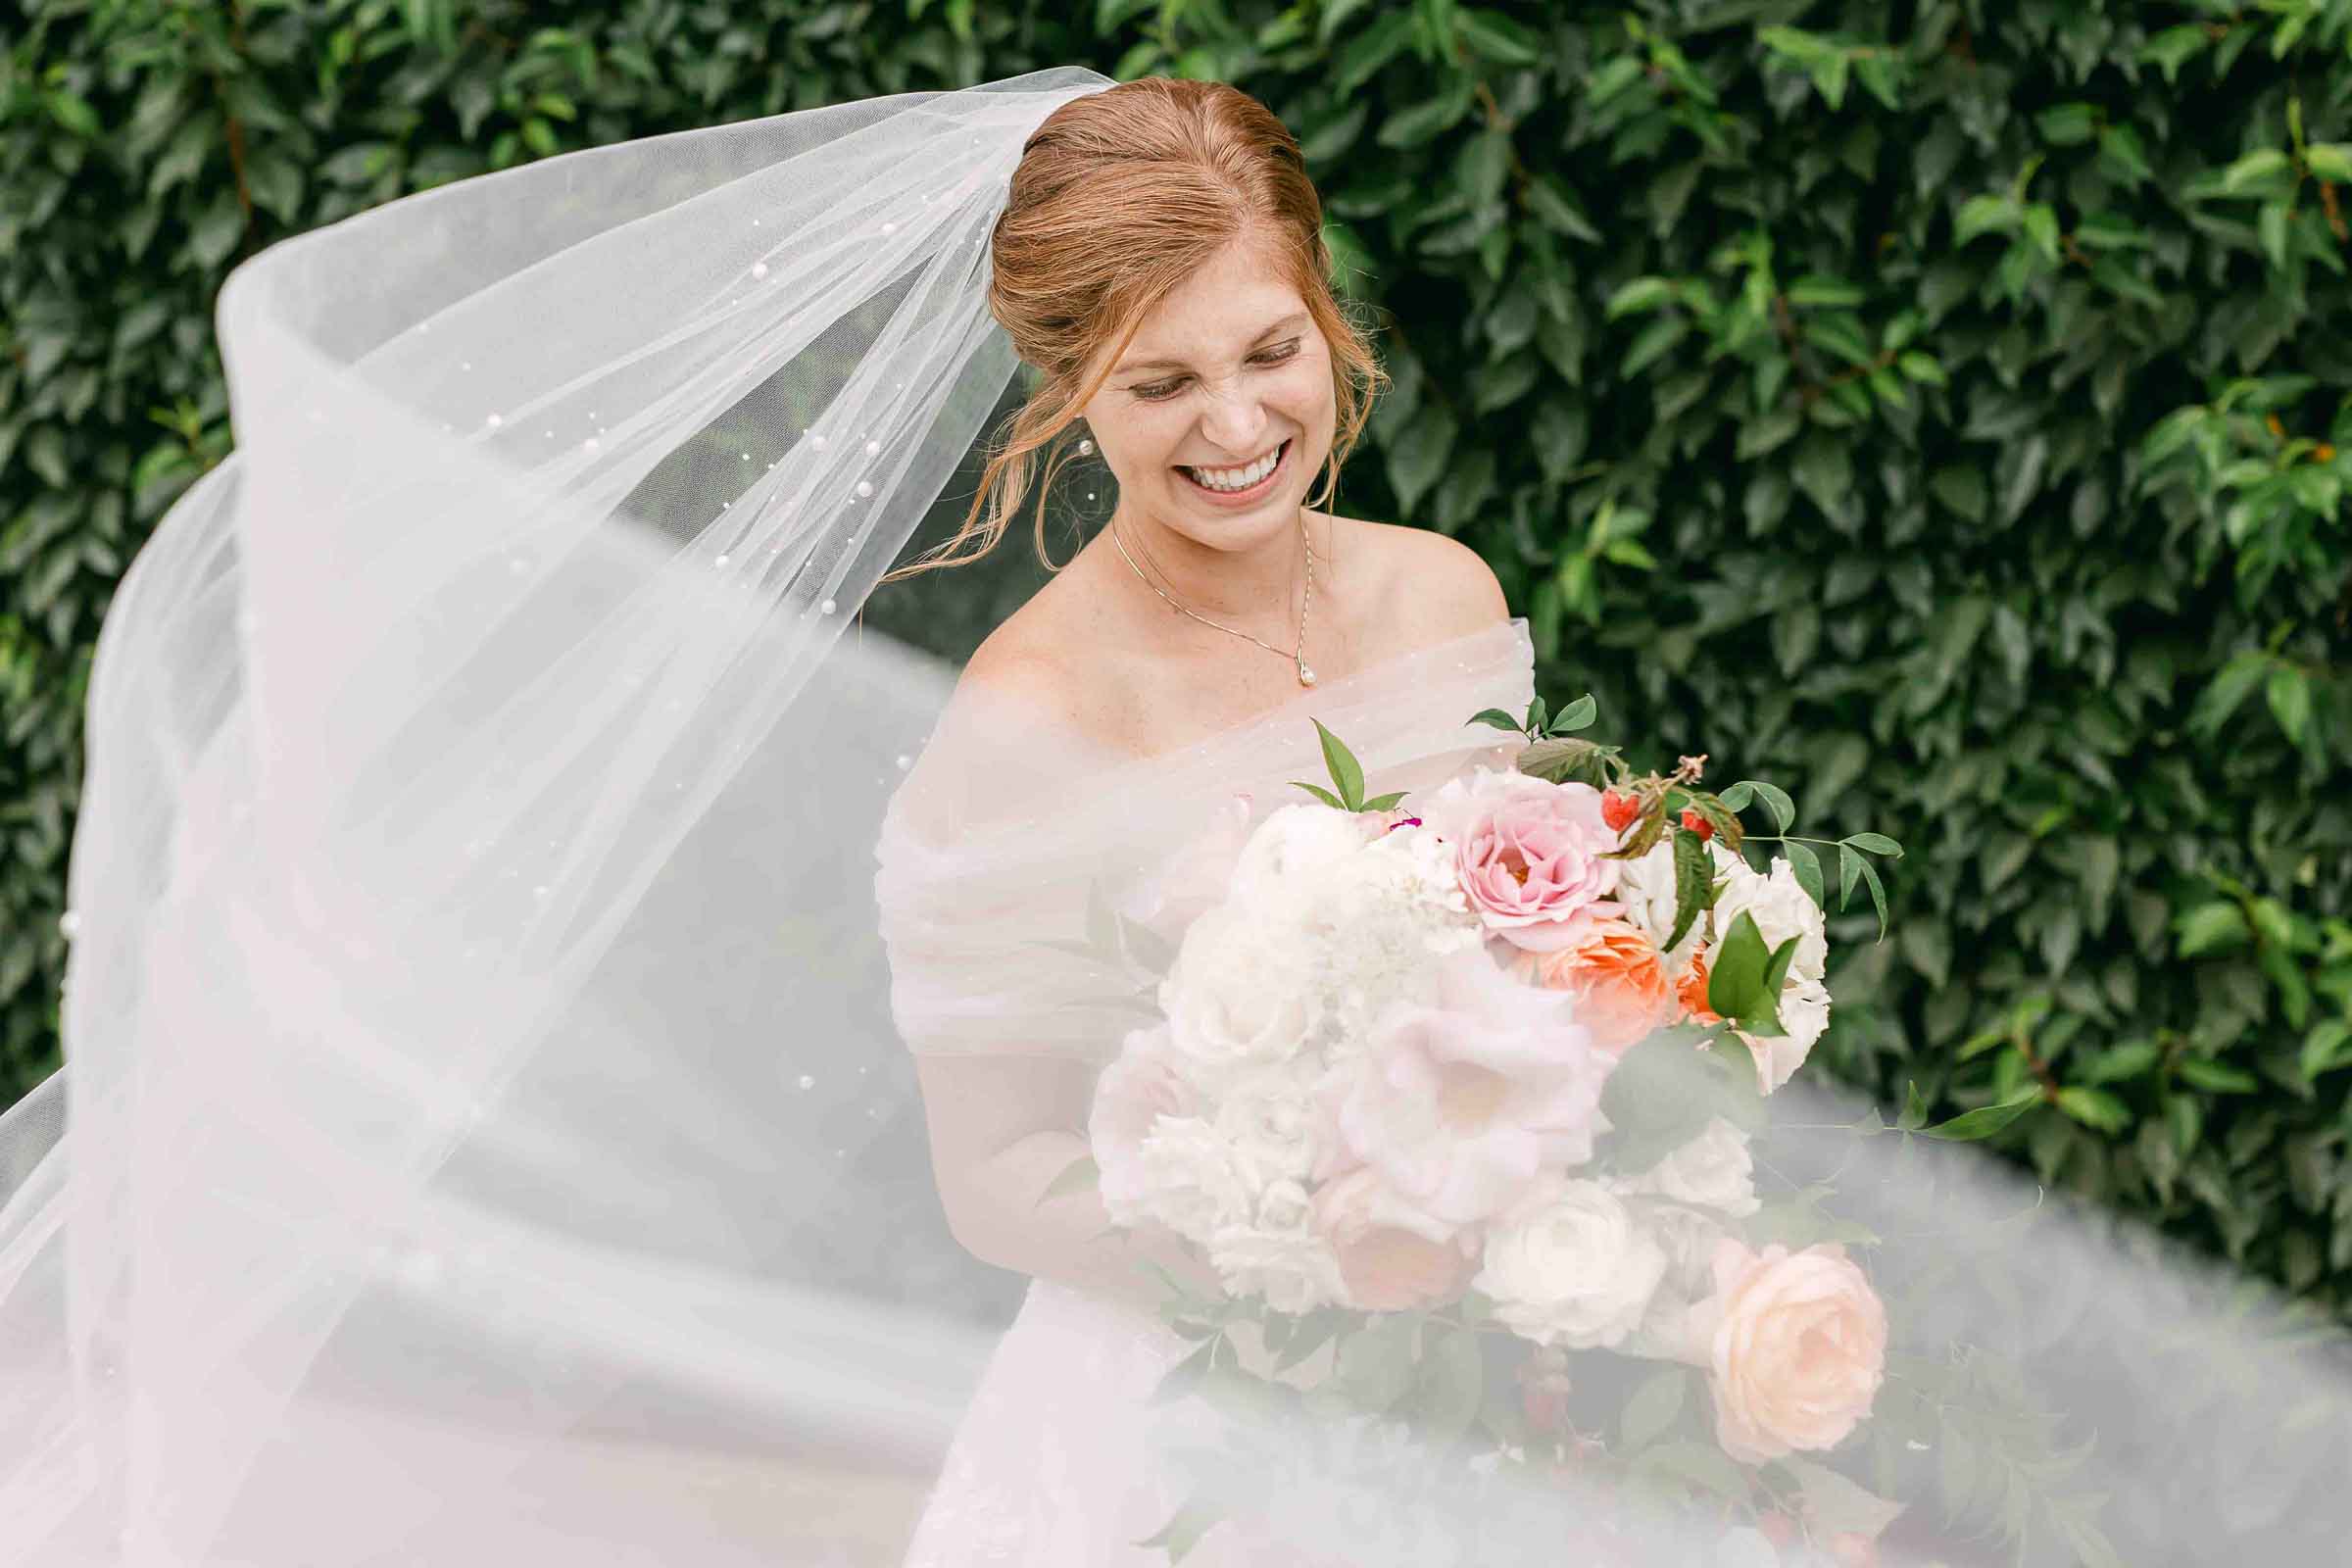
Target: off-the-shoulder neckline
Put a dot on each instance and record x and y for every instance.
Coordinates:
(1331, 690)
(1333, 695)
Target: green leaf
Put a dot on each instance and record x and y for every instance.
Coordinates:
(1577, 715)
(1422, 122)
(2288, 692)
(1642, 294)
(1693, 889)
(2216, 1078)
(1776, 801)
(1452, 1384)
(1081, 1175)
(2068, 125)
(1985, 1120)
(2121, 1063)
(1875, 844)
(2330, 161)
(1652, 343)
(2095, 1108)
(2328, 1047)
(1556, 208)
(1499, 37)
(1376, 1362)
(1320, 794)
(1736, 982)
(1497, 718)
(1962, 489)
(1922, 367)
(2171, 47)
(1837, 1505)
(1652, 1408)
(1817, 292)
(1806, 865)
(1563, 758)
(1984, 215)
(1361, 60)
(2227, 690)
(1345, 772)
(2210, 928)
(1420, 454)
(2255, 168)
(1183, 1531)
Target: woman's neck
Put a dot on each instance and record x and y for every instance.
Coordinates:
(1261, 584)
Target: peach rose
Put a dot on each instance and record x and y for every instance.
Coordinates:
(1691, 991)
(1850, 1550)
(1613, 970)
(1798, 1351)
(1385, 1266)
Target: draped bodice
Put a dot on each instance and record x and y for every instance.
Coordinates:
(1031, 883)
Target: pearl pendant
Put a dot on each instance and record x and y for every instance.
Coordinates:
(1307, 677)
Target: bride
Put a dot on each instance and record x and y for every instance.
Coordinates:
(503, 897)
(1160, 262)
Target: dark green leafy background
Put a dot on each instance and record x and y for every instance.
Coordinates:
(1938, 409)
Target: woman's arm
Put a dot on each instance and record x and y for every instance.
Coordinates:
(1002, 1129)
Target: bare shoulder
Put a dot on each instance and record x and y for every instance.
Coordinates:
(1033, 658)
(1006, 718)
(1435, 586)
(1019, 661)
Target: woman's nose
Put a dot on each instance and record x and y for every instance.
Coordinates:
(1235, 422)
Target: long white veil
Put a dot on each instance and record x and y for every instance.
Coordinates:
(484, 1135)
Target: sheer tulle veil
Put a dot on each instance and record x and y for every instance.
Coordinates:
(499, 924)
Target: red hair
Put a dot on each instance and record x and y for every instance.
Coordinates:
(1119, 196)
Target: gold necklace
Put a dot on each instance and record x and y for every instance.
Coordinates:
(1298, 657)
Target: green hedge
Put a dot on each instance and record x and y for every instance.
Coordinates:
(1945, 408)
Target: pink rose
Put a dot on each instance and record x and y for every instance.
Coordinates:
(1132, 1093)
(1797, 1350)
(1388, 1267)
(1458, 1105)
(1529, 854)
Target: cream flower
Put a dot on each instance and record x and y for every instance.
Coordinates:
(1781, 908)
(1238, 995)
(1571, 1266)
(1713, 1170)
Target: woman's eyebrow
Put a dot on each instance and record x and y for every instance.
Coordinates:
(1291, 319)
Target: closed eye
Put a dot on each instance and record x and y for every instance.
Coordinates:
(1162, 391)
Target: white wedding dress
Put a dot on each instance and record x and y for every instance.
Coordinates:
(1050, 1466)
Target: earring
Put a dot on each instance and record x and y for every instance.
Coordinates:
(1086, 446)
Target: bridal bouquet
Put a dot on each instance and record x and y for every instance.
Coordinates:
(1483, 1067)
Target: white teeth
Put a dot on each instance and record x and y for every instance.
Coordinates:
(1235, 478)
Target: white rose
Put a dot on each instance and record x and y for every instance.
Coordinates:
(1680, 1323)
(1279, 1257)
(1781, 908)
(1238, 995)
(1293, 849)
(1714, 1170)
(1270, 1120)
(1645, 888)
(1805, 1010)
(1132, 1092)
(1571, 1267)
(1191, 1181)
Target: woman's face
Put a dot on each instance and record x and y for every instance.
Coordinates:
(1227, 371)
